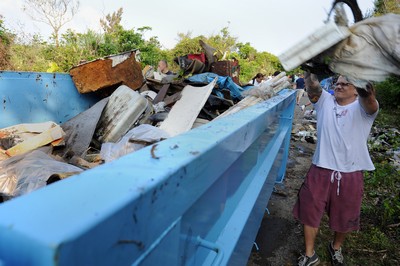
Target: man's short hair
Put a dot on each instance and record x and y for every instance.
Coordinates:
(165, 62)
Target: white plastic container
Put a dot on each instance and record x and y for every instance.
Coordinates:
(322, 39)
(122, 111)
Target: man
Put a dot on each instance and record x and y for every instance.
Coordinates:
(163, 68)
(300, 88)
(334, 182)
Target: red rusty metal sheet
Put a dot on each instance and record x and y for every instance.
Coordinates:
(111, 71)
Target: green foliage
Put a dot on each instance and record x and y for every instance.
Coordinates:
(382, 186)
(386, 6)
(253, 62)
(223, 42)
(187, 45)
(388, 116)
(6, 39)
(388, 93)
(250, 60)
(30, 56)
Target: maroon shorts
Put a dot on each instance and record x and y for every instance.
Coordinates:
(339, 194)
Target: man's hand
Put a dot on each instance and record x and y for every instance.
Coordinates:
(314, 90)
(367, 99)
(367, 91)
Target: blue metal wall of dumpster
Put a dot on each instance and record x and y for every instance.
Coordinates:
(195, 199)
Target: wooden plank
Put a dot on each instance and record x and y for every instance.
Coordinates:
(185, 111)
(170, 100)
(37, 141)
(29, 127)
(161, 94)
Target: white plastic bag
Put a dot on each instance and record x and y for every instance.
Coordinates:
(132, 141)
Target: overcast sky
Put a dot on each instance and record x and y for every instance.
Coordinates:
(268, 25)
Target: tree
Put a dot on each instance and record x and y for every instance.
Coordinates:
(223, 42)
(187, 45)
(112, 22)
(55, 13)
(6, 38)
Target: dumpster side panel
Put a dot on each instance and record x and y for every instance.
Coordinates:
(195, 199)
(32, 97)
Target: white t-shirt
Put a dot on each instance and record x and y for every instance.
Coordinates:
(256, 83)
(342, 135)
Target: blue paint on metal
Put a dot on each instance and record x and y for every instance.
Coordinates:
(200, 203)
(32, 97)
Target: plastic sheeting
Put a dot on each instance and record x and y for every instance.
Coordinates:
(134, 140)
(22, 174)
(371, 53)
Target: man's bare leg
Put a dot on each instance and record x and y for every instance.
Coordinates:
(310, 233)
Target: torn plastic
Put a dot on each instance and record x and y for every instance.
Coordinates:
(134, 140)
(25, 173)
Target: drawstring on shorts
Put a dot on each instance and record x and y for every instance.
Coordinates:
(338, 176)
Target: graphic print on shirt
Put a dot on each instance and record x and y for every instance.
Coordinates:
(340, 113)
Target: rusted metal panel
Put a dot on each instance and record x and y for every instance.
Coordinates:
(227, 68)
(108, 72)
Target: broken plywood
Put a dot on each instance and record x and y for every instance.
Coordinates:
(185, 111)
(13, 135)
(111, 71)
(37, 141)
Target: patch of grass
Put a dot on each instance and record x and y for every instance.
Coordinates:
(388, 117)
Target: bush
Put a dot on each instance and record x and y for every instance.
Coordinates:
(388, 93)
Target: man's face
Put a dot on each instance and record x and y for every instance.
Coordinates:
(161, 66)
(344, 91)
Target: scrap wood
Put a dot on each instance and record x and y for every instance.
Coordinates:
(27, 128)
(3, 155)
(170, 100)
(161, 94)
(18, 133)
(264, 91)
(39, 140)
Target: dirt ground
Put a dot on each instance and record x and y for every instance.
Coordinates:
(280, 240)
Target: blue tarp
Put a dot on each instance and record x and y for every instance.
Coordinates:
(222, 83)
(327, 84)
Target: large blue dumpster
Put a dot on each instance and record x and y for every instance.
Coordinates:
(195, 199)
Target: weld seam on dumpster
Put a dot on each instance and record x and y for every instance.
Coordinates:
(155, 243)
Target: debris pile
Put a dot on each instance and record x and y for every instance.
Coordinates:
(386, 141)
(136, 109)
